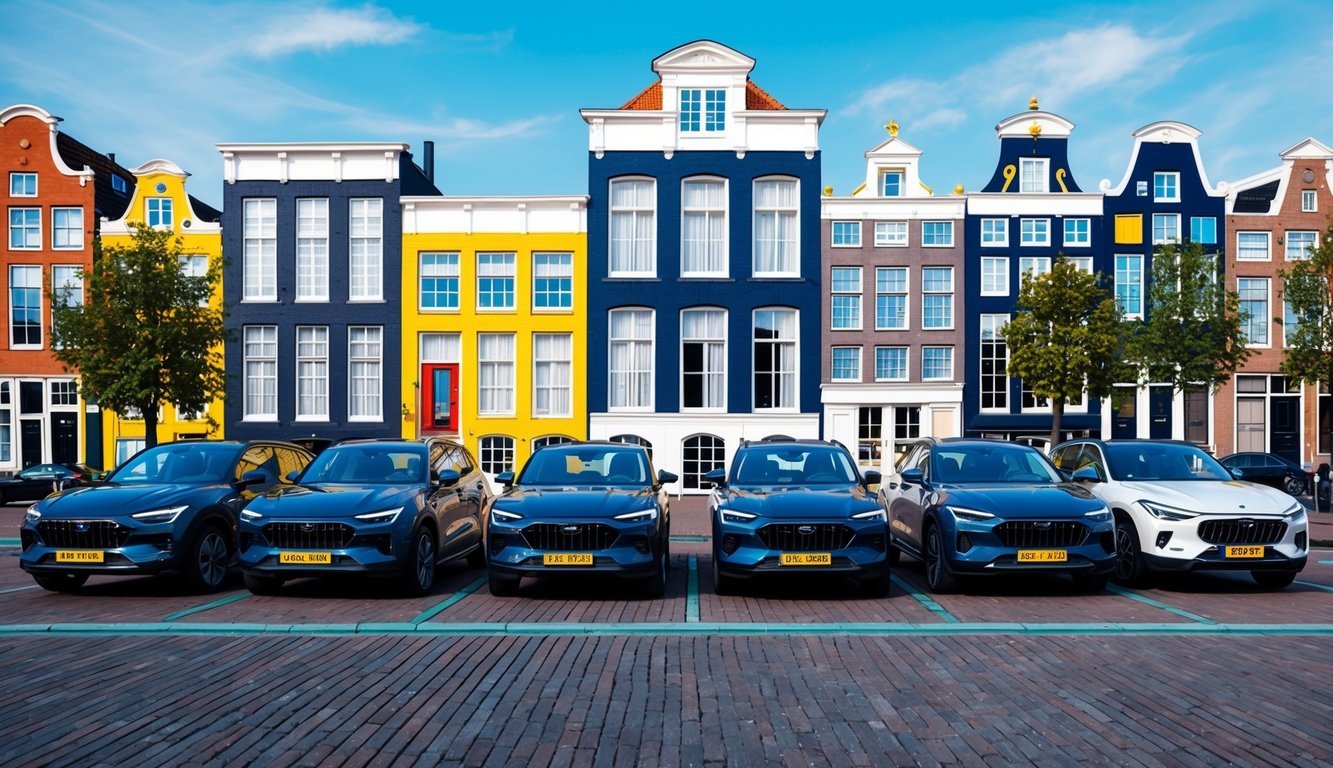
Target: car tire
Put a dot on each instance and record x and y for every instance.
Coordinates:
(477, 557)
(722, 583)
(1294, 486)
(208, 559)
(655, 586)
(503, 584)
(262, 585)
(1131, 570)
(419, 572)
(939, 578)
(1273, 579)
(60, 582)
(1087, 582)
(878, 586)
(894, 554)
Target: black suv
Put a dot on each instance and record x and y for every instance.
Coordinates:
(172, 507)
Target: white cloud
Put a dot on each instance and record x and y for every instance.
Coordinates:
(320, 28)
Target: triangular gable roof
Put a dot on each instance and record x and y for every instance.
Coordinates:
(1308, 147)
(756, 98)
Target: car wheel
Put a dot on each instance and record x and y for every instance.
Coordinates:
(477, 557)
(894, 554)
(1085, 582)
(1130, 568)
(419, 574)
(879, 584)
(938, 576)
(60, 582)
(208, 559)
(1273, 579)
(1294, 486)
(655, 585)
(722, 583)
(503, 584)
(262, 585)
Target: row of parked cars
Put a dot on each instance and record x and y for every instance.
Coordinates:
(397, 509)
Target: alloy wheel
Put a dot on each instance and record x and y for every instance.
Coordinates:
(211, 559)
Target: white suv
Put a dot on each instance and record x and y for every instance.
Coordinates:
(1177, 509)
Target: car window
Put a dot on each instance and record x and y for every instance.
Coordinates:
(1162, 462)
(257, 457)
(289, 461)
(586, 465)
(991, 463)
(1067, 457)
(792, 465)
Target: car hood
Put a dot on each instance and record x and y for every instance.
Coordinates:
(575, 503)
(1023, 501)
(333, 501)
(102, 501)
(1214, 497)
(801, 503)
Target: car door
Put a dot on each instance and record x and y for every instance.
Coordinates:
(908, 501)
(454, 503)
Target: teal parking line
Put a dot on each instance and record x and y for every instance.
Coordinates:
(690, 537)
(925, 600)
(1326, 562)
(1132, 595)
(431, 613)
(207, 606)
(1313, 585)
(17, 589)
(692, 596)
(10, 542)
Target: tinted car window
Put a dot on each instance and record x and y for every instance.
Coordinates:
(793, 465)
(177, 463)
(289, 461)
(368, 464)
(1162, 461)
(996, 463)
(586, 465)
(1067, 457)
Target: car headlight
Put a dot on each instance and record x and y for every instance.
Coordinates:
(1296, 512)
(1102, 515)
(383, 516)
(32, 517)
(874, 514)
(733, 516)
(505, 516)
(247, 514)
(643, 515)
(167, 515)
(963, 513)
(1162, 512)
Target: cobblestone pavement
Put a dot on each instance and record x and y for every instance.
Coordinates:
(1206, 670)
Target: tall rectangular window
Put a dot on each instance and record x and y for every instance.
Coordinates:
(552, 280)
(366, 254)
(261, 372)
(1252, 246)
(994, 275)
(994, 364)
(890, 234)
(1290, 323)
(1254, 309)
(703, 352)
(439, 281)
(846, 364)
(67, 229)
(1129, 283)
(891, 184)
(775, 379)
(1034, 232)
(936, 298)
(495, 280)
(1078, 232)
(704, 224)
(260, 261)
(1036, 266)
(67, 283)
(312, 249)
(1032, 174)
(157, 212)
(890, 363)
(195, 267)
(1299, 244)
(1308, 204)
(312, 372)
(846, 287)
(891, 298)
(937, 234)
(631, 359)
(846, 234)
(365, 373)
(1166, 187)
(22, 184)
(1203, 230)
(691, 110)
(777, 237)
(1165, 228)
(25, 306)
(995, 232)
(704, 110)
(715, 109)
(1083, 263)
(937, 363)
(633, 228)
(552, 374)
(25, 229)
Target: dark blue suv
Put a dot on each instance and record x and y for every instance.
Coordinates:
(172, 507)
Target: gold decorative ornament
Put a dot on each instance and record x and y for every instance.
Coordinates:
(1032, 104)
(1035, 130)
(828, 191)
(958, 189)
(892, 128)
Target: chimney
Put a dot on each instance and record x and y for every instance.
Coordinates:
(111, 156)
(428, 160)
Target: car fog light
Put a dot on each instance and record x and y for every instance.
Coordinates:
(1108, 542)
(641, 544)
(497, 544)
(964, 542)
(1163, 539)
(877, 543)
(1300, 540)
(729, 543)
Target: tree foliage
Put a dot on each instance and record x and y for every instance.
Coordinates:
(1194, 331)
(1306, 285)
(1067, 338)
(145, 333)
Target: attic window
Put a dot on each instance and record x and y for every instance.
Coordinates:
(119, 185)
(703, 110)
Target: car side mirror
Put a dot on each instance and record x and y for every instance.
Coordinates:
(665, 478)
(1086, 474)
(506, 479)
(914, 476)
(718, 477)
(1237, 473)
(291, 476)
(253, 477)
(871, 477)
(446, 478)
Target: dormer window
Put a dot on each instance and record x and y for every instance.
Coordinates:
(891, 184)
(1032, 174)
(158, 211)
(118, 184)
(703, 110)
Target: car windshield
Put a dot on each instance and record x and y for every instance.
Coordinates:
(969, 464)
(1162, 461)
(369, 464)
(789, 465)
(573, 465)
(187, 463)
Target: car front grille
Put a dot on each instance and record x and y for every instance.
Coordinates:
(83, 534)
(570, 536)
(1242, 531)
(1027, 534)
(805, 537)
(309, 535)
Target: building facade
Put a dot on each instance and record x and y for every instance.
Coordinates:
(312, 235)
(892, 308)
(704, 279)
(495, 323)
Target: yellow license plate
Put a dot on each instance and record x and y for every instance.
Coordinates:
(1042, 556)
(805, 558)
(305, 558)
(1245, 551)
(79, 556)
(567, 558)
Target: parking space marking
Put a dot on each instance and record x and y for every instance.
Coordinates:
(692, 596)
(690, 537)
(925, 600)
(207, 606)
(10, 542)
(1132, 595)
(431, 613)
(17, 589)
(1324, 587)
(1326, 562)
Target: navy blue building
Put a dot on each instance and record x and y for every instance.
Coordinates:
(704, 264)
(312, 237)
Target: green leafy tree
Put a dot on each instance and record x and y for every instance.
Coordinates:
(145, 333)
(1309, 346)
(1194, 331)
(1066, 339)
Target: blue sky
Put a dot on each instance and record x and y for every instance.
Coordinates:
(498, 86)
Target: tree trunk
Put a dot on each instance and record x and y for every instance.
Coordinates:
(149, 424)
(1057, 414)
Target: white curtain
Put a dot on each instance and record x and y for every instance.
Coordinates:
(633, 207)
(552, 353)
(704, 204)
(708, 327)
(496, 372)
(775, 226)
(631, 358)
(439, 348)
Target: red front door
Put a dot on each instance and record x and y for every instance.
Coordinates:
(439, 397)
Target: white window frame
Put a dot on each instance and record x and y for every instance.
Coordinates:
(552, 375)
(906, 293)
(312, 249)
(259, 347)
(717, 248)
(259, 267)
(1083, 263)
(1241, 251)
(639, 212)
(634, 343)
(159, 212)
(1117, 282)
(72, 238)
(15, 177)
(558, 265)
(834, 293)
(496, 375)
(994, 272)
(948, 231)
(782, 374)
(1034, 232)
(786, 250)
(891, 234)
(29, 229)
(833, 363)
(31, 279)
(1211, 222)
(1264, 318)
(1168, 180)
(992, 323)
(66, 284)
(998, 234)
(852, 228)
(444, 270)
(711, 343)
(949, 376)
(884, 182)
(501, 265)
(1165, 217)
(1033, 174)
(365, 354)
(1039, 265)
(1302, 254)
(1072, 237)
(495, 452)
(312, 371)
(365, 249)
(927, 293)
(907, 362)
(1309, 201)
